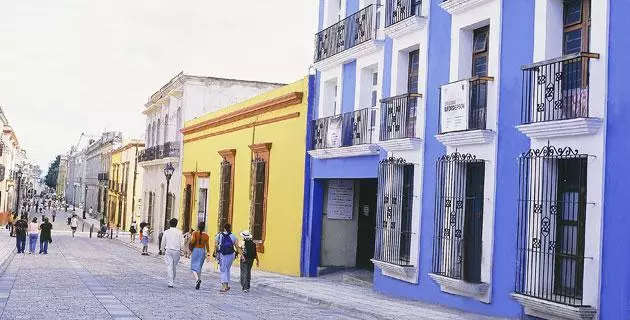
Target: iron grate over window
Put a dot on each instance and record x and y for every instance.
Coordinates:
(551, 224)
(393, 220)
(257, 218)
(225, 194)
(457, 242)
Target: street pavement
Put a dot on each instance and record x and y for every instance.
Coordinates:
(95, 278)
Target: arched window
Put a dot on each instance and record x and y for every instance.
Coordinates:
(179, 123)
(157, 132)
(148, 137)
(166, 128)
(153, 135)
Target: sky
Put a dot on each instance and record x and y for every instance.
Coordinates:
(73, 66)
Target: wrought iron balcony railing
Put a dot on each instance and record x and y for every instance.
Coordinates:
(556, 89)
(399, 10)
(103, 176)
(355, 29)
(343, 130)
(477, 104)
(398, 116)
(167, 150)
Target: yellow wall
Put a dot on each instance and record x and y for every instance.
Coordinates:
(286, 174)
(125, 154)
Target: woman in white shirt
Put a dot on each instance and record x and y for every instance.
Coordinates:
(33, 234)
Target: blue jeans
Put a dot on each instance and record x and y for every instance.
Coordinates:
(43, 247)
(20, 243)
(32, 242)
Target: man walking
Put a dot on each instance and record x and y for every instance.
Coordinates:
(20, 234)
(171, 246)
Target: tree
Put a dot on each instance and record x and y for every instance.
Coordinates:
(53, 173)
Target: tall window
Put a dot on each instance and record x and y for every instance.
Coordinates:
(480, 52)
(259, 188)
(179, 123)
(552, 223)
(165, 129)
(459, 217)
(157, 132)
(202, 199)
(150, 207)
(577, 26)
(226, 196)
(394, 205)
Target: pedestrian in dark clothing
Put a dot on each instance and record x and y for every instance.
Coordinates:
(248, 256)
(21, 226)
(44, 236)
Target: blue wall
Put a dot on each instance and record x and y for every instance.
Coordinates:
(349, 76)
(352, 6)
(517, 48)
(615, 285)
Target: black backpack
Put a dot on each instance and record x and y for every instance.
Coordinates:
(249, 250)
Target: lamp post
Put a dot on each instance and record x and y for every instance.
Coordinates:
(18, 177)
(168, 173)
(74, 197)
(84, 202)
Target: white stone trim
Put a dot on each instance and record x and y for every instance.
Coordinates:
(403, 273)
(460, 287)
(459, 6)
(409, 25)
(463, 138)
(341, 152)
(157, 162)
(401, 144)
(561, 128)
(355, 52)
(553, 310)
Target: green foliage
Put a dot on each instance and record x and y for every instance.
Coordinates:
(53, 173)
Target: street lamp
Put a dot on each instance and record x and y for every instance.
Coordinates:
(18, 177)
(84, 202)
(168, 173)
(74, 196)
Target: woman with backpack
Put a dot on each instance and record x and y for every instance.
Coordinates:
(248, 256)
(200, 246)
(226, 248)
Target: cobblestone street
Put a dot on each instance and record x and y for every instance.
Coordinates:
(92, 278)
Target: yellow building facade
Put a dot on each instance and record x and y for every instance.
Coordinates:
(125, 185)
(245, 165)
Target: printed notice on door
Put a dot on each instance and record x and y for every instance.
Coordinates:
(340, 199)
(454, 106)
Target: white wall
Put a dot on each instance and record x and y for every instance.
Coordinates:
(339, 237)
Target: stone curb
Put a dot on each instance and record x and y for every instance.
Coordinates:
(7, 258)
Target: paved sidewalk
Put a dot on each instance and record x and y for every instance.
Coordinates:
(334, 294)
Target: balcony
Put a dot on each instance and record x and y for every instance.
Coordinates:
(403, 17)
(345, 40)
(555, 99)
(167, 150)
(398, 122)
(463, 112)
(103, 176)
(344, 135)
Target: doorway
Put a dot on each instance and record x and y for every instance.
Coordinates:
(367, 223)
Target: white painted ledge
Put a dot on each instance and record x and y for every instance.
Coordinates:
(459, 6)
(553, 310)
(463, 138)
(404, 144)
(403, 273)
(159, 162)
(561, 128)
(363, 49)
(478, 291)
(342, 152)
(409, 25)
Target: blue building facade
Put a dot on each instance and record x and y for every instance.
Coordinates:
(467, 151)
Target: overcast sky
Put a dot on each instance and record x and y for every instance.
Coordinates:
(72, 66)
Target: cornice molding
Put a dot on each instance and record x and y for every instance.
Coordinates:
(273, 104)
(227, 154)
(260, 147)
(561, 128)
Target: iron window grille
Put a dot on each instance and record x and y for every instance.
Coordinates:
(458, 229)
(343, 130)
(225, 197)
(257, 213)
(393, 220)
(551, 224)
(355, 29)
(400, 10)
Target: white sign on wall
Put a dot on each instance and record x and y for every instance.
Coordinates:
(340, 199)
(333, 135)
(454, 106)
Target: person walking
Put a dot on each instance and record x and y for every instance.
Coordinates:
(226, 248)
(248, 256)
(145, 240)
(44, 236)
(186, 247)
(171, 247)
(54, 214)
(90, 212)
(133, 231)
(74, 223)
(200, 246)
(21, 226)
(33, 234)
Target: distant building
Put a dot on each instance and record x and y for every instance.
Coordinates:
(125, 185)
